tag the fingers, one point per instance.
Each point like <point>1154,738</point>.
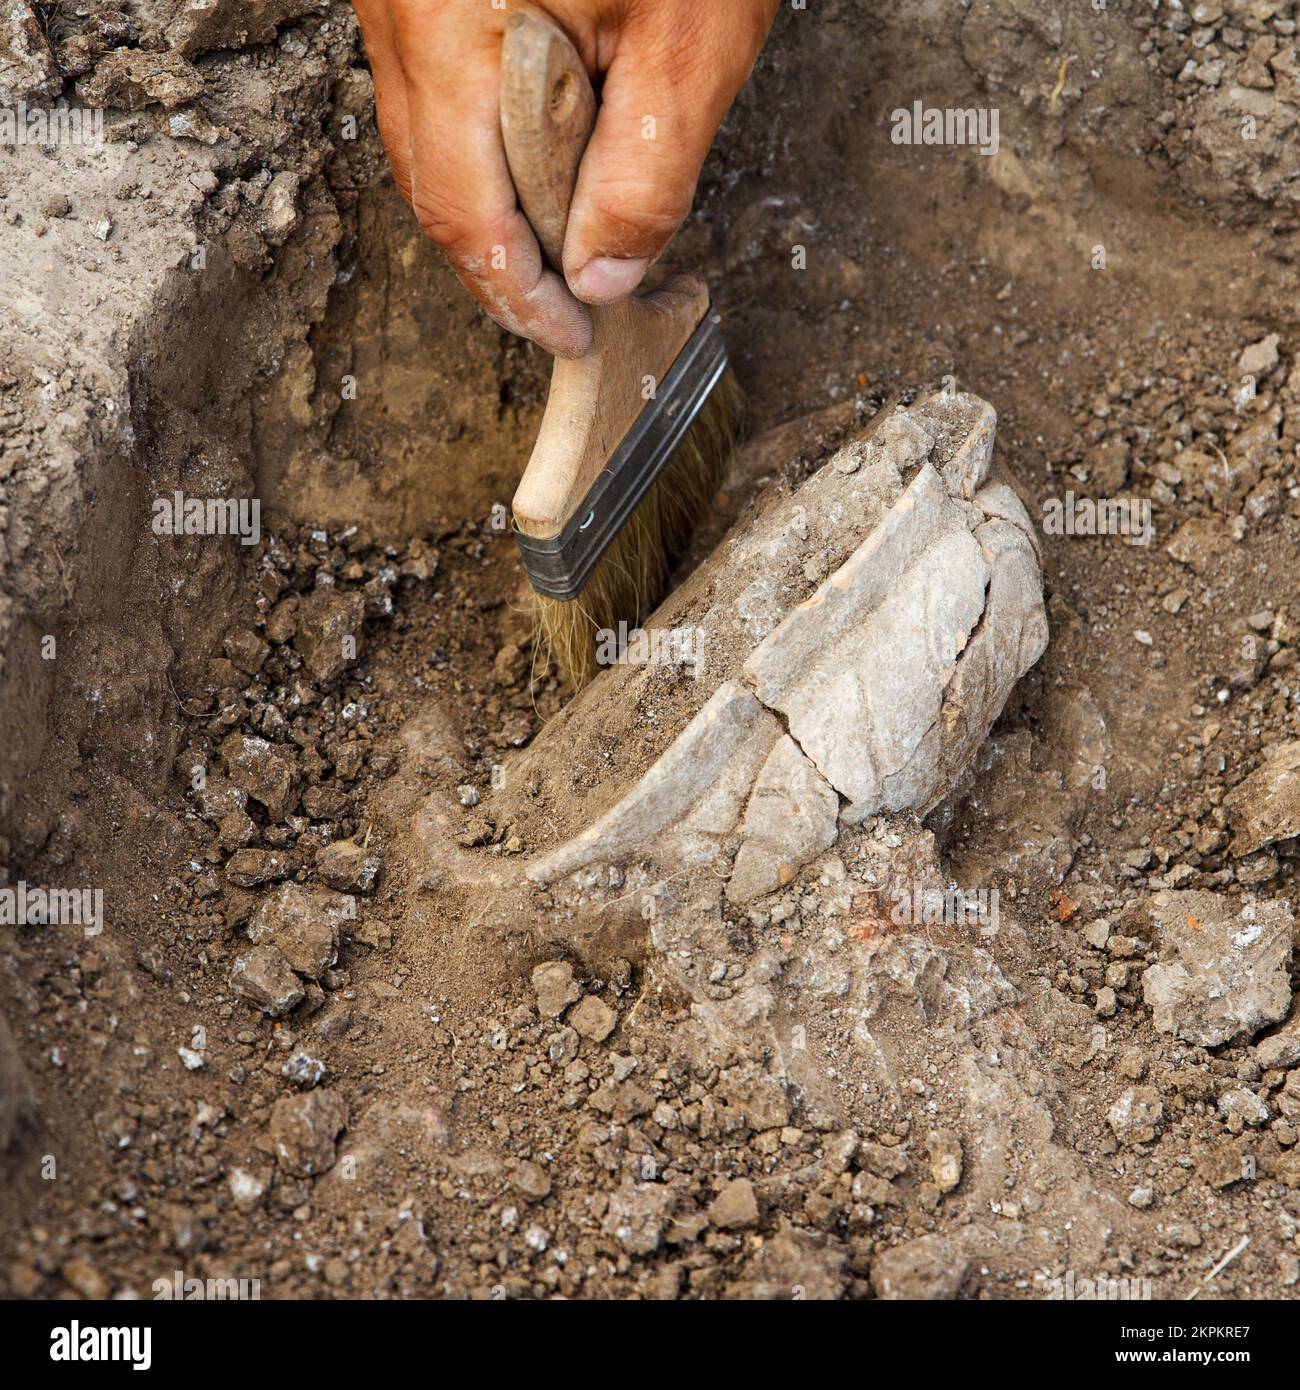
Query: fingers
<point>675,71</point>
<point>675,68</point>
<point>443,136</point>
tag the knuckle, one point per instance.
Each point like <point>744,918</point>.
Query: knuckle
<point>635,216</point>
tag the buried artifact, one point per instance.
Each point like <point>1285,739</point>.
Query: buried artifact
<point>853,639</point>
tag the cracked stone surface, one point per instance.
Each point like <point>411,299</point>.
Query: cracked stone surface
<point>789,820</point>
<point>856,638</point>
<point>860,670</point>
<point>697,789</point>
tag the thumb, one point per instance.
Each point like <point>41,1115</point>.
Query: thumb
<point>665,94</point>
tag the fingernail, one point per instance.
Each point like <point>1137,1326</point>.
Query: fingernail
<point>607,278</point>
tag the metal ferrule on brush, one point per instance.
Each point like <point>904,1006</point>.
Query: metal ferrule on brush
<point>559,566</point>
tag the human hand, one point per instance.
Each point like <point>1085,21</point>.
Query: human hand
<point>437,66</point>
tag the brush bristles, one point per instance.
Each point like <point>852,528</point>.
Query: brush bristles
<point>630,577</point>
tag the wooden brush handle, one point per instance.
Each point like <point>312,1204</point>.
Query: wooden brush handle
<point>548,112</point>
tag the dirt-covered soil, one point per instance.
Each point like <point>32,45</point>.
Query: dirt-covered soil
<point>441,1097</point>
